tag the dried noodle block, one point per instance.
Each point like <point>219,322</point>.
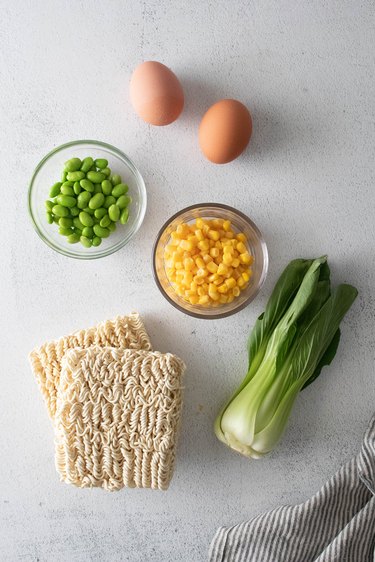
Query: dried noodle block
<point>117,418</point>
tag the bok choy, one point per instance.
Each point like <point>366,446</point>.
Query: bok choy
<point>296,336</point>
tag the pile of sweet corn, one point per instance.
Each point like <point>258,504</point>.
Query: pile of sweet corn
<point>207,263</point>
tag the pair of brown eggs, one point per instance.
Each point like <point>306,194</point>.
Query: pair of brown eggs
<point>158,98</point>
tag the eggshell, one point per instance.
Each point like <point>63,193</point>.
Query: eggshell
<point>156,93</point>
<point>225,131</point>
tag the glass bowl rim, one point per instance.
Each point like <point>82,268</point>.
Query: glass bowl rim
<point>140,183</point>
<point>263,276</point>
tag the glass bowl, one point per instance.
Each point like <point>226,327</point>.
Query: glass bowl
<point>48,172</point>
<point>241,223</point>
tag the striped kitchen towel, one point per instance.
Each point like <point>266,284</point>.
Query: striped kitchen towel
<point>336,524</point>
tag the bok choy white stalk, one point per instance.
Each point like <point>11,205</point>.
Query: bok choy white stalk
<point>296,336</point>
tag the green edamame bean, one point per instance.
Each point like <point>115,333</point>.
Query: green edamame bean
<point>56,219</point>
<point>124,216</point>
<point>67,190</point>
<point>95,177</point>
<point>123,201</point>
<point>96,201</point>
<point>68,184</point>
<point>83,199</point>
<point>65,231</point>
<point>66,222</point>
<point>72,165</point>
<point>49,204</point>
<point>75,176</point>
<point>85,219</point>
<point>66,201</point>
<point>97,188</point>
<point>74,211</point>
<point>109,200</point>
<point>55,189</point>
<point>85,242</point>
<point>60,211</point>
<point>99,213</point>
<point>112,227</point>
<point>49,218</point>
<point>100,231</point>
<point>106,187</point>
<point>106,172</point>
<point>115,179</point>
<point>89,211</point>
<point>96,241</point>
<point>88,232</point>
<point>63,176</point>
<point>77,224</point>
<point>120,189</point>
<point>114,213</point>
<point>101,163</point>
<point>73,238</point>
<point>77,188</point>
<point>87,185</point>
<point>105,221</point>
<point>86,164</point>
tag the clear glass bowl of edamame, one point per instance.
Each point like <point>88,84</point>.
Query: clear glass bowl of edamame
<point>49,171</point>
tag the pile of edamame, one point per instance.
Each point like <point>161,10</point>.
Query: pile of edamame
<point>88,201</point>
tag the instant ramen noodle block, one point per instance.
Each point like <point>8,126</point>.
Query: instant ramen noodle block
<point>122,332</point>
<point>117,418</point>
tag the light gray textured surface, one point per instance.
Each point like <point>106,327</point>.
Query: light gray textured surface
<point>306,72</point>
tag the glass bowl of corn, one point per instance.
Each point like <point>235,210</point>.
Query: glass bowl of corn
<point>210,260</point>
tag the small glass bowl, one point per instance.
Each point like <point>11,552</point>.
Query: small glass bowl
<point>241,223</point>
<point>48,172</point>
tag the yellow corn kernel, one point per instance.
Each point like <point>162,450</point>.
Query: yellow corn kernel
<point>199,262</point>
<point>188,278</point>
<point>230,298</point>
<point>204,299</point>
<point>246,276</point>
<point>228,249</point>
<point>194,299</point>
<point>227,259</point>
<point>199,280</point>
<point>199,234</point>
<point>223,288</point>
<point>214,252</point>
<point>206,258</point>
<point>201,291</point>
<point>182,229</point>
<point>212,267</point>
<point>236,274</point>
<point>204,245</point>
<point>241,247</point>
<point>226,226</point>
<point>246,258</point>
<point>205,228</point>
<point>218,280</point>
<point>236,291</point>
<point>213,235</point>
<point>241,237</point>
<point>211,277</point>
<point>235,262</point>
<point>229,234</point>
<point>178,265</point>
<point>212,292</point>
<point>188,264</point>
<point>231,282</point>
<point>218,260</point>
<point>216,223</point>
<point>202,272</point>
<point>222,269</point>
<point>240,282</point>
<point>186,245</point>
<point>218,245</point>
<point>199,223</point>
<point>223,299</point>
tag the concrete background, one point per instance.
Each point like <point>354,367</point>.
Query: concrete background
<point>306,72</point>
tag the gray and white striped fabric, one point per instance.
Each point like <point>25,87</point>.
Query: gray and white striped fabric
<point>336,524</point>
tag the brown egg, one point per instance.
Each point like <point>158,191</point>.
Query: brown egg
<point>156,93</point>
<point>225,131</point>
